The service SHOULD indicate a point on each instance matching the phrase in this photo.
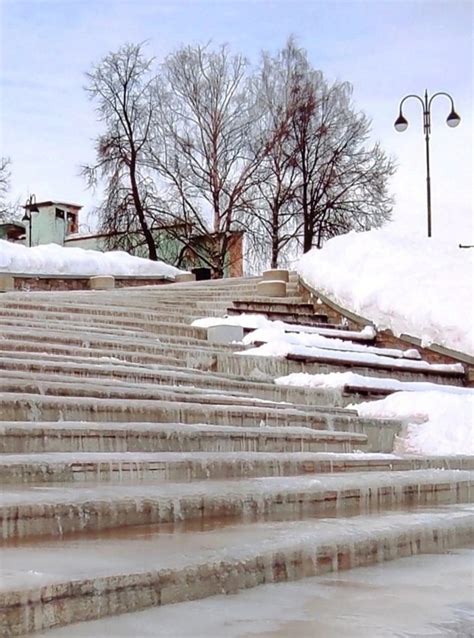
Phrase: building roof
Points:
(52, 203)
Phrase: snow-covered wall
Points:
(52, 259)
(410, 284)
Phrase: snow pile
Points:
(415, 285)
(52, 259)
(341, 379)
(283, 347)
(314, 340)
(250, 322)
(438, 422)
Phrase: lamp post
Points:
(30, 207)
(401, 124)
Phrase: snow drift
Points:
(52, 259)
(415, 285)
(438, 422)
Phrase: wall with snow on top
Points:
(52, 259)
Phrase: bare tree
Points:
(9, 210)
(274, 224)
(322, 178)
(341, 182)
(4, 187)
(202, 145)
(203, 150)
(122, 86)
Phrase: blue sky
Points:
(385, 49)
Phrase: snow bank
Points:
(52, 259)
(414, 285)
(438, 422)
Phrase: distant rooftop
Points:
(52, 203)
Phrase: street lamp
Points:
(401, 124)
(30, 207)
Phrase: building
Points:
(50, 222)
(55, 222)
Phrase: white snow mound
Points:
(52, 259)
(415, 285)
(438, 422)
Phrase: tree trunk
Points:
(141, 214)
(275, 242)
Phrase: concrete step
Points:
(180, 466)
(117, 372)
(43, 511)
(81, 338)
(201, 358)
(52, 385)
(270, 367)
(398, 598)
(19, 349)
(34, 407)
(263, 306)
(80, 437)
(288, 316)
(54, 584)
(77, 333)
(145, 323)
(156, 328)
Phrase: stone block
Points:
(276, 274)
(271, 288)
(185, 276)
(7, 283)
(225, 334)
(102, 282)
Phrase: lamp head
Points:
(453, 119)
(401, 124)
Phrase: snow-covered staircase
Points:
(144, 465)
(320, 339)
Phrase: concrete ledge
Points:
(102, 282)
(185, 276)
(271, 288)
(276, 274)
(7, 283)
(225, 334)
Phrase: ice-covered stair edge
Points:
(281, 339)
(438, 418)
(238, 558)
(282, 348)
(256, 321)
(344, 379)
(406, 283)
(276, 333)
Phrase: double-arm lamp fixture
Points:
(30, 207)
(401, 124)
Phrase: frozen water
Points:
(427, 596)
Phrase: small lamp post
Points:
(30, 207)
(401, 124)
